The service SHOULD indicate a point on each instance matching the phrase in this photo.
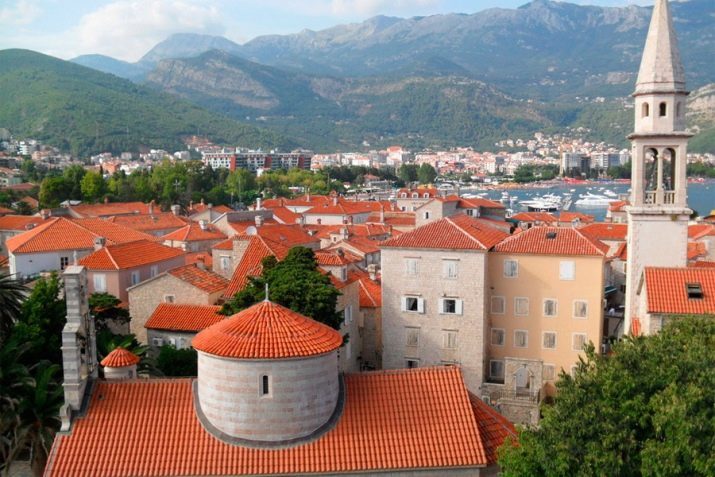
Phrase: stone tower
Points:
(658, 213)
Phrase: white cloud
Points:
(126, 29)
(21, 12)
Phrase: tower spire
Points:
(661, 68)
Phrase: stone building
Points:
(177, 324)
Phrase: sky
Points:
(126, 29)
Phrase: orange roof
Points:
(65, 234)
(193, 258)
(18, 222)
(696, 249)
(457, 232)
(698, 231)
(301, 201)
(267, 330)
(392, 420)
(287, 235)
(285, 215)
(335, 258)
(146, 223)
(202, 279)
(393, 218)
(342, 208)
(605, 231)
(189, 318)
(618, 205)
(667, 292)
(703, 264)
(192, 232)
(493, 427)
(544, 217)
(5, 210)
(201, 207)
(110, 208)
(129, 255)
(250, 263)
(569, 217)
(119, 358)
(370, 290)
(224, 245)
(431, 191)
(358, 230)
(552, 241)
(478, 202)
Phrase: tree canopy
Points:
(647, 409)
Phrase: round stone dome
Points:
(267, 375)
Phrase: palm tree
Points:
(12, 294)
(15, 383)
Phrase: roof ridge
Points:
(449, 219)
(590, 242)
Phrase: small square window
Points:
(412, 363)
(567, 270)
(136, 277)
(551, 307)
(450, 339)
(449, 269)
(64, 262)
(579, 341)
(169, 298)
(521, 306)
(498, 305)
(496, 369)
(580, 309)
(498, 336)
(549, 341)
(412, 337)
(548, 372)
(521, 338)
(511, 268)
(451, 306)
(413, 304)
(411, 267)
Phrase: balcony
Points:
(659, 197)
(526, 395)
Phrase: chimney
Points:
(203, 224)
(99, 242)
(151, 207)
(259, 220)
(372, 271)
(335, 200)
(382, 213)
(106, 200)
(344, 232)
(191, 205)
(176, 209)
(202, 201)
(45, 214)
(210, 206)
(259, 204)
(201, 262)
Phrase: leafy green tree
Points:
(295, 283)
(106, 310)
(93, 186)
(408, 173)
(177, 362)
(426, 174)
(240, 183)
(53, 190)
(12, 294)
(15, 382)
(73, 176)
(647, 409)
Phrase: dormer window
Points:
(550, 235)
(694, 290)
(415, 195)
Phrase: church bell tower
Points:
(658, 213)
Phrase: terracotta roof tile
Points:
(202, 279)
(188, 318)
(335, 258)
(667, 292)
(703, 264)
(697, 250)
(224, 245)
(19, 222)
(605, 231)
(119, 358)
(399, 219)
(370, 290)
(698, 231)
(287, 235)
(355, 230)
(250, 263)
(457, 232)
(618, 206)
(149, 223)
(569, 217)
(543, 217)
(192, 258)
(392, 420)
(267, 330)
(111, 208)
(493, 427)
(193, 232)
(129, 255)
(285, 215)
(479, 202)
(552, 241)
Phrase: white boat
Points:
(594, 200)
(610, 193)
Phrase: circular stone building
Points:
(267, 376)
(120, 364)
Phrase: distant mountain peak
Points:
(188, 45)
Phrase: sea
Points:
(701, 195)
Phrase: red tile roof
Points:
(696, 250)
(250, 263)
(618, 205)
(569, 217)
(193, 258)
(64, 234)
(703, 264)
(204, 280)
(698, 231)
(192, 232)
(119, 358)
(285, 215)
(224, 245)
(370, 290)
(392, 420)
(149, 223)
(188, 318)
(478, 202)
(18, 222)
(552, 241)
(267, 330)
(493, 427)
(202, 207)
(302, 201)
(544, 217)
(129, 255)
(335, 258)
(342, 208)
(457, 232)
(111, 208)
(605, 231)
(667, 293)
(356, 230)
(399, 219)
(287, 235)
(5, 210)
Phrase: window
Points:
(135, 277)
(449, 339)
(549, 341)
(694, 291)
(548, 372)
(580, 309)
(225, 261)
(578, 342)
(498, 336)
(412, 363)
(496, 369)
(521, 306)
(426, 215)
(158, 342)
(663, 109)
(348, 313)
(154, 271)
(412, 336)
(64, 261)
(100, 282)
(413, 303)
(450, 306)
(343, 273)
(449, 269)
(521, 338)
(567, 270)
(645, 110)
(511, 268)
(169, 298)
(498, 305)
(265, 385)
(425, 195)
(551, 307)
(415, 195)
(411, 267)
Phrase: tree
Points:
(106, 310)
(15, 381)
(177, 362)
(93, 186)
(12, 293)
(647, 409)
(426, 174)
(408, 173)
(73, 176)
(53, 190)
(240, 183)
(295, 283)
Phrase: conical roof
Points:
(119, 358)
(267, 331)
(661, 68)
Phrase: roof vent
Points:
(694, 290)
(551, 235)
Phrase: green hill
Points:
(83, 111)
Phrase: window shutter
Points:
(441, 305)
(458, 307)
(420, 305)
(403, 303)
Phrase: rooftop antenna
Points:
(266, 299)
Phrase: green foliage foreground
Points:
(648, 409)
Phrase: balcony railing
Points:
(650, 198)
(528, 395)
(653, 197)
(669, 197)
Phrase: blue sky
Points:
(126, 29)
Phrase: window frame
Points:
(567, 277)
(516, 306)
(573, 311)
(553, 372)
(446, 340)
(573, 340)
(416, 331)
(503, 337)
(543, 340)
(419, 301)
(138, 275)
(491, 305)
(526, 339)
(556, 307)
(516, 268)
(458, 306)
(503, 371)
(103, 277)
(412, 267)
(449, 265)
